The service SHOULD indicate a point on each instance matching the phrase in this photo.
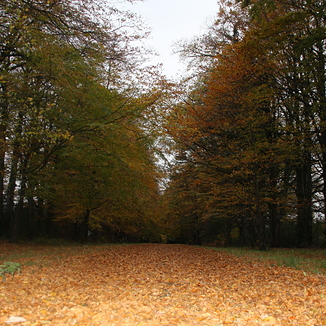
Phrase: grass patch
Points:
(308, 260)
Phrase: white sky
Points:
(171, 21)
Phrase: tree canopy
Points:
(73, 148)
(94, 144)
(249, 137)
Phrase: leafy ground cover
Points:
(154, 284)
(309, 260)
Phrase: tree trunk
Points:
(324, 180)
(273, 208)
(85, 226)
(18, 211)
(320, 73)
(260, 222)
(10, 215)
(304, 204)
(31, 218)
(275, 224)
(4, 222)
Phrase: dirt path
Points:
(156, 284)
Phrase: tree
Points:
(252, 122)
(61, 63)
(298, 29)
(228, 28)
(106, 179)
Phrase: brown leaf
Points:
(157, 284)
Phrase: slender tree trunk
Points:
(324, 182)
(18, 211)
(40, 217)
(275, 224)
(4, 223)
(260, 222)
(85, 226)
(273, 208)
(31, 218)
(323, 164)
(10, 202)
(260, 228)
(321, 92)
(304, 203)
(241, 226)
(12, 181)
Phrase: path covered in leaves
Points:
(157, 284)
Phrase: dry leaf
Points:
(13, 320)
(156, 285)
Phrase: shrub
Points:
(9, 268)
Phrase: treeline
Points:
(83, 122)
(76, 160)
(250, 137)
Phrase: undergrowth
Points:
(9, 267)
(308, 260)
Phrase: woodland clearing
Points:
(154, 284)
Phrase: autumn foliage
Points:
(249, 135)
(95, 145)
(75, 157)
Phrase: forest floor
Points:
(154, 284)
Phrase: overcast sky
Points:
(172, 20)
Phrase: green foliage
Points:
(9, 268)
(307, 260)
(72, 122)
